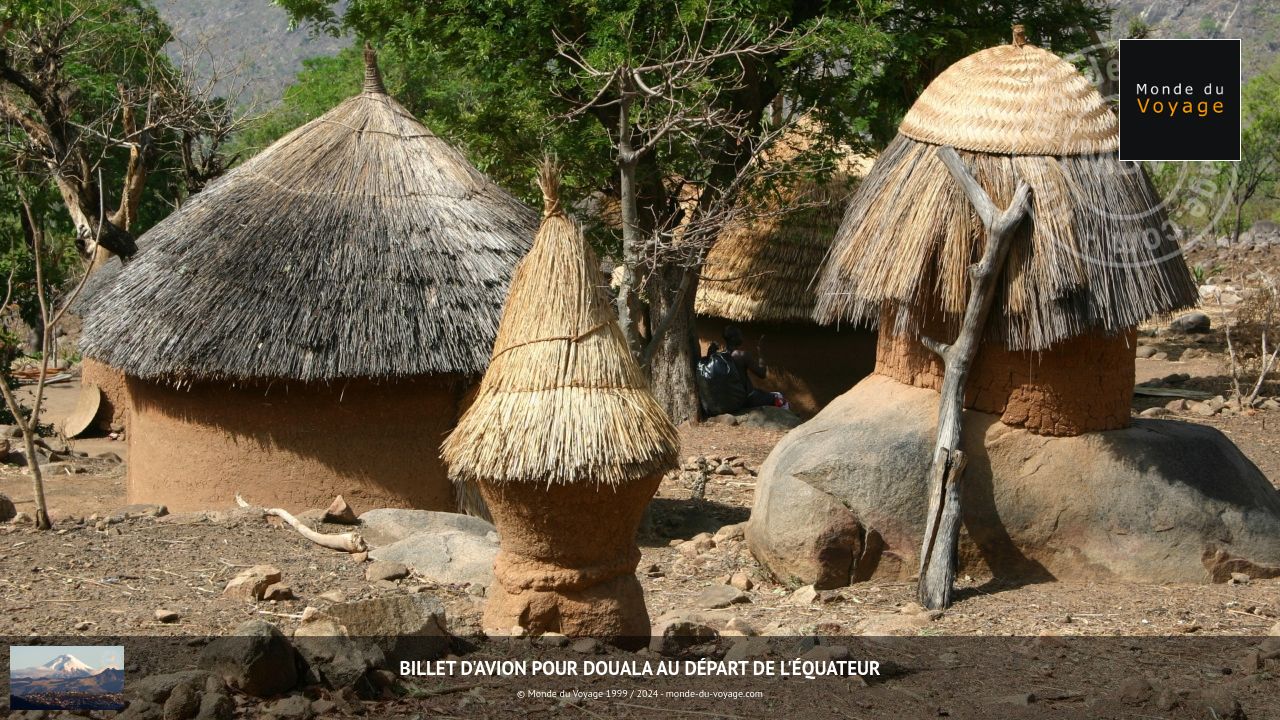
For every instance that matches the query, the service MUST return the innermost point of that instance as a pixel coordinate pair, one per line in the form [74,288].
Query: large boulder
[389,525]
[255,659]
[449,557]
[842,498]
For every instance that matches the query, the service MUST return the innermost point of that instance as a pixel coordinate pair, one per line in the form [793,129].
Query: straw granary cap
[1095,255]
[762,264]
[360,245]
[563,400]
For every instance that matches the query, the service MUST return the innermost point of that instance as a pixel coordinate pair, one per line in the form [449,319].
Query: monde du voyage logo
[1180,100]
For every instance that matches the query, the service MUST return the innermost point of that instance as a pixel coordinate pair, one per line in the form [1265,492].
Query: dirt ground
[85,581]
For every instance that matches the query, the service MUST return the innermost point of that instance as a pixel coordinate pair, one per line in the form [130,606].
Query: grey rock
[216,706]
[674,632]
[723,419]
[332,656]
[385,570]
[404,626]
[1160,501]
[157,688]
[294,707]
[183,703]
[385,526]
[721,596]
[7,510]
[256,658]
[446,557]
[1191,323]
[769,418]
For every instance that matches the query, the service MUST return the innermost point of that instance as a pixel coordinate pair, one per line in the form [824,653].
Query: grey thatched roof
[359,245]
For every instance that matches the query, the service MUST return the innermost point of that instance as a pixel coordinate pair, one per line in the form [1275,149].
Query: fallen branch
[349,542]
[942,525]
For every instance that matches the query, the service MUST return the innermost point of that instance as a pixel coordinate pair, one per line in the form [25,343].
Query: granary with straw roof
[566,444]
[1061,482]
[758,276]
[309,324]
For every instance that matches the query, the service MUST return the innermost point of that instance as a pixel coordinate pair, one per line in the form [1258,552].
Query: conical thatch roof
[761,267]
[359,245]
[1094,256]
[563,400]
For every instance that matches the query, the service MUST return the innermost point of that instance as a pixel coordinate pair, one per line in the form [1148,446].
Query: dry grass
[358,246]
[1082,263]
[563,400]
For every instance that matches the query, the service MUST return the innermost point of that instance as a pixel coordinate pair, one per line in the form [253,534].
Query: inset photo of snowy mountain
[63,677]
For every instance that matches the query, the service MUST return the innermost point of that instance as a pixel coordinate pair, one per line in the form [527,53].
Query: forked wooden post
[942,527]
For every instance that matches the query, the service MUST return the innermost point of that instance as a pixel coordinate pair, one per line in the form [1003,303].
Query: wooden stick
[942,525]
[350,542]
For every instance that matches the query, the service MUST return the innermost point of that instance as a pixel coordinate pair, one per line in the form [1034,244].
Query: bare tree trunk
[942,525]
[673,352]
[627,201]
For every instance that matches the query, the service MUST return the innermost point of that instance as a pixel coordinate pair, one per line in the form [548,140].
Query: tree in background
[94,108]
[1259,166]
[491,76]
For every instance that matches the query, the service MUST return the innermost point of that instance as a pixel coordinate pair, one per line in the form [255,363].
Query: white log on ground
[349,542]
[942,525]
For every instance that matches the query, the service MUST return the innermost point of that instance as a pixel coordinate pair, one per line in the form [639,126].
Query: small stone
[738,626]
[552,639]
[167,616]
[294,707]
[1191,323]
[278,592]
[827,653]
[1146,351]
[1203,409]
[323,706]
[726,469]
[1135,690]
[723,419]
[586,646]
[340,513]
[21,519]
[674,633]
[806,595]
[359,557]
[696,545]
[1022,699]
[1270,404]
[748,648]
[728,533]
[721,596]
[1155,412]
[385,570]
[741,581]
[1160,356]
[1239,578]
[82,626]
[1274,631]
[332,596]
[250,584]
[1177,405]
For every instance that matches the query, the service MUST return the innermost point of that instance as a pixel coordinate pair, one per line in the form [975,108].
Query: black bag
[721,386]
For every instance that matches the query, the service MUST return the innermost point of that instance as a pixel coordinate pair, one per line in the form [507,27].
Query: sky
[95,656]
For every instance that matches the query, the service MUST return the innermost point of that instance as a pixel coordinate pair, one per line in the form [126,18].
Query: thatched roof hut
[1094,257]
[1093,260]
[759,276]
[349,273]
[563,400]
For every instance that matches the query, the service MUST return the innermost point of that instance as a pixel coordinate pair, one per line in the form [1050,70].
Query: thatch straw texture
[1012,99]
[761,268]
[1095,254]
[563,400]
[358,246]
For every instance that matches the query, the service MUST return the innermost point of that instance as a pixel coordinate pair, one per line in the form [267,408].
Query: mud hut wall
[292,445]
[810,364]
[114,409]
[1080,385]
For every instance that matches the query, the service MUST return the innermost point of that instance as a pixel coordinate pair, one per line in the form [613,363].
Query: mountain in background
[250,38]
[1255,22]
[255,34]
[63,666]
[103,682]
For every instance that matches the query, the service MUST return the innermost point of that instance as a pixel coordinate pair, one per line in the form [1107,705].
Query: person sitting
[751,364]
[724,382]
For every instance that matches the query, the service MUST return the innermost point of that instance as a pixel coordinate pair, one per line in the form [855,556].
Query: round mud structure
[1080,385]
[114,410]
[292,445]
[568,559]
